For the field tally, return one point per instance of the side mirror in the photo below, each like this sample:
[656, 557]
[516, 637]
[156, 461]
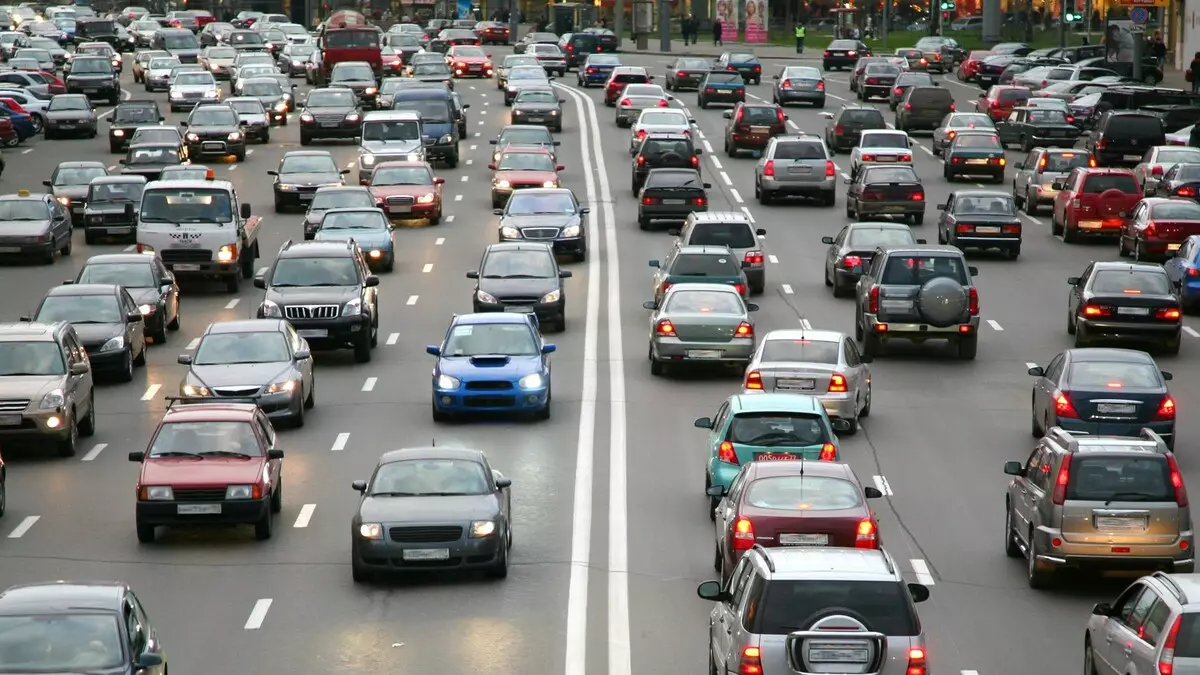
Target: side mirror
[715, 491]
[260, 282]
[344, 171]
[491, 167]
[691, 120]
[272, 172]
[650, 305]
[274, 454]
[827, 240]
[137, 456]
[872, 493]
[497, 212]
[562, 100]
[827, 115]
[185, 359]
[473, 274]
[183, 124]
[243, 123]
[774, 77]
[364, 181]
[1166, 375]
[439, 181]
[47, 183]
[703, 423]
[162, 119]
[359, 485]
[80, 368]
[1057, 185]
[1102, 609]
[654, 263]
[549, 348]
[1073, 281]
[973, 271]
[919, 592]
[302, 354]
[433, 350]
[711, 590]
[560, 167]
[133, 317]
[941, 207]
[699, 151]
[493, 142]
[1036, 371]
[847, 181]
[503, 483]
[762, 232]
[557, 143]
[707, 186]
[565, 274]
[1013, 468]
[27, 319]
[840, 425]
[751, 307]
[372, 281]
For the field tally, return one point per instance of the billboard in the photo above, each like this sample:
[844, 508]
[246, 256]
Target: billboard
[757, 14]
[727, 13]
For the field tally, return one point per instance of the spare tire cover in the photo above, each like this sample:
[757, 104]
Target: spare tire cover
[942, 302]
[1111, 202]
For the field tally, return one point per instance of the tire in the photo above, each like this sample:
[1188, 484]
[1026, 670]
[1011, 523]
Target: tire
[145, 532]
[1011, 549]
[362, 349]
[174, 324]
[87, 426]
[160, 335]
[277, 498]
[126, 374]
[968, 347]
[90, 237]
[1172, 346]
[1037, 578]
[67, 446]
[1031, 205]
[263, 527]
[279, 208]
[499, 570]
[871, 344]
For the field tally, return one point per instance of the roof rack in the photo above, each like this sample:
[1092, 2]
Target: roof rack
[1172, 586]
[1070, 439]
[172, 401]
[766, 556]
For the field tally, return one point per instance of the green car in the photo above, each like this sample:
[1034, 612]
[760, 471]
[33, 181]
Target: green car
[974, 153]
[1037, 127]
[699, 265]
[763, 427]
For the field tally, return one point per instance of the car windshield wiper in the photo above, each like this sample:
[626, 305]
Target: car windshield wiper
[396, 494]
[224, 453]
[519, 276]
[86, 321]
[448, 494]
[173, 453]
[319, 285]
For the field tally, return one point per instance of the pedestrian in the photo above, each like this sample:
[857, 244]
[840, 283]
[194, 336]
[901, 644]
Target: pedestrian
[1193, 73]
[799, 38]
[1159, 48]
[685, 27]
[716, 28]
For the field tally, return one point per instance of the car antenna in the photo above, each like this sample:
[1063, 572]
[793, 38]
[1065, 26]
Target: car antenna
[433, 443]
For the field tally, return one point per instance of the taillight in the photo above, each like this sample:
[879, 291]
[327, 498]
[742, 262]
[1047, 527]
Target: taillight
[641, 134]
[754, 257]
[916, 662]
[730, 68]
[753, 380]
[758, 69]
[851, 261]
[741, 289]
[826, 51]
[828, 453]
[695, 161]
[666, 328]
[1063, 407]
[1181, 497]
[868, 158]
[1070, 119]
[726, 454]
[873, 300]
[1168, 314]
[700, 201]
[649, 200]
[1096, 311]
[837, 384]
[641, 160]
[662, 103]
[1193, 272]
[905, 158]
[681, 74]
[864, 536]
[839, 130]
[899, 91]
[830, 168]
[786, 84]
[591, 71]
[769, 168]
[1157, 171]
[917, 196]
[908, 106]
[1166, 409]
[740, 115]
[1101, 144]
[951, 107]
[1060, 482]
[751, 661]
[821, 86]
[1166, 658]
[973, 301]
[626, 101]
[1185, 191]
[743, 536]
[664, 288]
[951, 134]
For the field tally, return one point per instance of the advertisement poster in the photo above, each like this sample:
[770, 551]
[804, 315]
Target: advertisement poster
[464, 9]
[757, 13]
[727, 11]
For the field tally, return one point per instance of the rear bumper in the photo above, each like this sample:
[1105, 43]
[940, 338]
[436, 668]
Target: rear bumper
[988, 241]
[883, 208]
[918, 332]
[680, 351]
[824, 185]
[1114, 556]
[668, 212]
[1134, 329]
[793, 96]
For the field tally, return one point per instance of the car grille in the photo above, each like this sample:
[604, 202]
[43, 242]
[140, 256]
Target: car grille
[400, 201]
[520, 300]
[185, 255]
[489, 385]
[540, 232]
[199, 494]
[235, 391]
[437, 533]
[109, 219]
[489, 401]
[311, 311]
[330, 118]
[13, 405]
[193, 94]
[526, 186]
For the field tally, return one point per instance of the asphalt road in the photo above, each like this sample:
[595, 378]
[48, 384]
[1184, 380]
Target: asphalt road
[611, 532]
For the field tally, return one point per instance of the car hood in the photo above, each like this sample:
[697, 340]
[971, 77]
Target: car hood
[489, 367]
[421, 510]
[512, 288]
[314, 295]
[183, 52]
[268, 101]
[353, 84]
[235, 374]
[209, 471]
[33, 387]
[402, 147]
[96, 334]
[73, 191]
[23, 228]
[432, 131]
[68, 115]
[555, 220]
[366, 239]
[523, 176]
[309, 179]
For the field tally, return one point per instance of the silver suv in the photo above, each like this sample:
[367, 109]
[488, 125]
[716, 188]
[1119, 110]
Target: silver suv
[732, 229]
[796, 166]
[1153, 627]
[1098, 502]
[816, 610]
[1035, 175]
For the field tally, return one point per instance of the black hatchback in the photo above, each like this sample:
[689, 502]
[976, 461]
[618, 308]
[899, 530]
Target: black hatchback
[671, 194]
[663, 151]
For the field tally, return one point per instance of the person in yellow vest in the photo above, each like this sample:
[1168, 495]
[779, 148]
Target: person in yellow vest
[799, 38]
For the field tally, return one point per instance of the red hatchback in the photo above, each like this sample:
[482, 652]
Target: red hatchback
[999, 101]
[1157, 227]
[786, 503]
[969, 68]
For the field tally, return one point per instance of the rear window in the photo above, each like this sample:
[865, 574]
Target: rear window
[890, 174]
[880, 237]
[1113, 375]
[742, 57]
[1065, 161]
[800, 150]
[803, 493]
[705, 302]
[664, 179]
[977, 141]
[640, 79]
[724, 77]
[654, 147]
[1188, 172]
[989, 204]
[931, 95]
[1187, 643]
[1120, 478]
[1013, 94]
[1176, 211]
[864, 117]
[884, 606]
[1135, 282]
[1136, 126]
[777, 429]
[760, 114]
[703, 264]
[801, 351]
[910, 270]
[733, 235]
[1097, 183]
[882, 69]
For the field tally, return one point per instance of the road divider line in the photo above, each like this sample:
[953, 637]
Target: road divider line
[250, 151]
[458, 198]
[1191, 331]
[427, 268]
[465, 179]
[369, 385]
[480, 122]
[773, 259]
[787, 289]
[192, 345]
[927, 150]
[26, 151]
[392, 338]
[94, 452]
[473, 147]
[922, 571]
[804, 323]
[1030, 364]
[305, 515]
[716, 161]
[469, 163]
[233, 168]
[151, 391]
[708, 147]
[835, 96]
[340, 442]
[845, 176]
[258, 614]
[995, 325]
[699, 133]
[23, 527]
[412, 300]
[737, 196]
[449, 219]
[970, 672]
[440, 240]
[232, 303]
[725, 177]
[881, 484]
[111, 168]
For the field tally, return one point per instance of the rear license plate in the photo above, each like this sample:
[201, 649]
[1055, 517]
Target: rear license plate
[1119, 523]
[897, 304]
[797, 384]
[399, 209]
[1132, 158]
[519, 309]
[774, 456]
[1116, 408]
[198, 509]
[10, 420]
[804, 539]
[760, 130]
[892, 209]
[10, 249]
[1134, 311]
[1173, 247]
[704, 354]
[987, 230]
[800, 169]
[835, 655]
[185, 268]
[674, 202]
[313, 333]
[427, 554]
[976, 162]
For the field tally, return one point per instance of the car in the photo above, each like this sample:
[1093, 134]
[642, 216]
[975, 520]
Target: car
[1130, 488]
[469, 61]
[1034, 176]
[860, 67]
[798, 84]
[732, 230]
[110, 627]
[330, 113]
[923, 108]
[45, 62]
[851, 251]
[112, 206]
[981, 219]
[146, 280]
[191, 89]
[521, 168]
[1124, 301]
[1157, 227]
[621, 77]
[274, 98]
[407, 190]
[533, 38]
[698, 264]
[796, 165]
[94, 77]
[505, 351]
[549, 57]
[552, 215]
[1029, 127]
[915, 58]
[451, 37]
[1181, 180]
[1121, 137]
[1157, 160]
[493, 32]
[263, 361]
[214, 131]
[636, 98]
[720, 86]
[793, 503]
[659, 121]
[1090, 202]
[252, 116]
[1151, 615]
[843, 130]
[416, 493]
[524, 77]
[107, 323]
[743, 63]
[158, 72]
[234, 474]
[521, 277]
[159, 134]
[149, 159]
[658, 150]
[335, 197]
[906, 81]
[389, 136]
[367, 227]
[47, 380]
[918, 293]
[880, 147]
[524, 136]
[956, 122]
[218, 60]
[842, 54]
[70, 115]
[538, 106]
[433, 73]
[596, 69]
[880, 190]
[974, 153]
[1000, 100]
[671, 194]
[300, 174]
[752, 126]
[877, 81]
[699, 324]
[126, 118]
[186, 172]
[512, 61]
[69, 185]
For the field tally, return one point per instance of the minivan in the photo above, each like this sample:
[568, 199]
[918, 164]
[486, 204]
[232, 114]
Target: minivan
[923, 108]
[178, 42]
[439, 128]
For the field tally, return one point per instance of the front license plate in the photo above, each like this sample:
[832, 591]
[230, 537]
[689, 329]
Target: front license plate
[1116, 408]
[674, 202]
[987, 230]
[313, 333]
[976, 162]
[1119, 523]
[837, 655]
[703, 354]
[519, 309]
[186, 268]
[1173, 247]
[306, 196]
[536, 119]
[806, 385]
[775, 456]
[10, 420]
[1132, 158]
[399, 209]
[329, 125]
[66, 126]
[1134, 311]
[9, 249]
[427, 554]
[804, 539]
[91, 91]
[198, 509]
[213, 147]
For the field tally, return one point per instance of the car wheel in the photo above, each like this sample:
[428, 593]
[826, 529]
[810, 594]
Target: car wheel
[126, 373]
[87, 426]
[1011, 549]
[68, 445]
[1089, 658]
[1036, 576]
[262, 527]
[277, 498]
[145, 532]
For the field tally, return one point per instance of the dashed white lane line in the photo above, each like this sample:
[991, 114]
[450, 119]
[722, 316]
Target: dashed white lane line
[449, 219]
[995, 325]
[258, 614]
[458, 198]
[773, 260]
[725, 177]
[471, 87]
[787, 289]
[26, 151]
[1191, 331]
[94, 452]
[700, 134]
[465, 178]
[927, 150]
[369, 385]
[306, 513]
[440, 240]
[233, 168]
[845, 176]
[111, 168]
[477, 134]
[412, 300]
[1031, 220]
[250, 151]
[480, 122]
[793, 126]
[883, 486]
[392, 339]
[151, 391]
[805, 324]
[708, 148]
[970, 672]
[261, 271]
[473, 147]
[485, 102]
[340, 442]
[232, 303]
[191, 346]
[131, 247]
[835, 96]
[427, 268]
[469, 163]
[922, 571]
[749, 216]
[1030, 364]
[23, 527]
[737, 196]
[716, 161]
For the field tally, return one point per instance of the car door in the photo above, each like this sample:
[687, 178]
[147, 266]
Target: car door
[1136, 221]
[1076, 293]
[717, 433]
[295, 345]
[1122, 628]
[152, 644]
[1045, 385]
[1064, 196]
[80, 385]
[855, 372]
[267, 432]
[1009, 128]
[1026, 172]
[944, 224]
[170, 290]
[1174, 267]
[60, 223]
[725, 616]
[1018, 496]
[831, 253]
[1149, 635]
[135, 331]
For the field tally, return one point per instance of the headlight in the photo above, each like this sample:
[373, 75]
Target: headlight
[306, 117]
[352, 117]
[211, 93]
[269, 310]
[447, 382]
[370, 91]
[52, 400]
[235, 136]
[286, 188]
[367, 160]
[484, 296]
[517, 113]
[531, 381]
[509, 232]
[446, 139]
[353, 308]
[119, 133]
[287, 386]
[146, 309]
[114, 344]
[296, 64]
[65, 201]
[370, 531]
[426, 198]
[287, 96]
[482, 528]
[227, 253]
[503, 184]
[158, 493]
[550, 184]
[375, 253]
[571, 231]
[553, 113]
[414, 157]
[552, 296]
[194, 138]
[239, 492]
[195, 390]
[281, 106]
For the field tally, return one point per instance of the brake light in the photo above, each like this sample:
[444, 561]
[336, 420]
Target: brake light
[753, 380]
[730, 68]
[950, 135]
[1063, 407]
[726, 454]
[709, 90]
[744, 330]
[649, 200]
[851, 261]
[839, 130]
[899, 91]
[758, 69]
[908, 106]
[1167, 314]
[951, 107]
[821, 86]
[666, 328]
[864, 535]
[1102, 143]
[740, 288]
[662, 103]
[837, 384]
[700, 201]
[1060, 483]
[1166, 659]
[873, 300]
[828, 453]
[996, 105]
[973, 301]
[850, 53]
[754, 257]
[680, 73]
[868, 158]
[641, 160]
[591, 71]
[826, 51]
[1157, 171]
[786, 84]
[1181, 497]
[1185, 191]
[751, 661]
[1092, 161]
[917, 196]
[1096, 310]
[872, 80]
[743, 535]
[740, 115]
[830, 168]
[916, 662]
[1193, 272]
[695, 162]
[1166, 409]
[641, 134]
[626, 101]
[664, 288]
[780, 116]
[769, 168]
[1070, 119]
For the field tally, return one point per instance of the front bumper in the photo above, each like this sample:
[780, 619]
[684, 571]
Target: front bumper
[80, 127]
[442, 151]
[107, 228]
[32, 250]
[284, 404]
[675, 350]
[513, 400]
[546, 119]
[212, 148]
[188, 103]
[343, 130]
[105, 92]
[411, 211]
[382, 555]
[545, 311]
[232, 512]
[107, 362]
[562, 246]
[473, 71]
[201, 268]
[337, 333]
[35, 425]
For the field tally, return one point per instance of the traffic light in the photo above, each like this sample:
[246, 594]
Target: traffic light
[948, 6]
[946, 17]
[1069, 17]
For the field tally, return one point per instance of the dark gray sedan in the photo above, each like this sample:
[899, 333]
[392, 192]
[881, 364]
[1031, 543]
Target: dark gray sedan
[547, 215]
[148, 160]
[431, 509]
[70, 115]
[687, 72]
[538, 106]
[69, 185]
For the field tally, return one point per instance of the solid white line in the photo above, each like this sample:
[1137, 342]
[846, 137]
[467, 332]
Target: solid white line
[369, 385]
[749, 216]
[151, 391]
[193, 344]
[1030, 364]
[412, 300]
[787, 288]
[440, 240]
[458, 198]
[306, 512]
[927, 150]
[716, 161]
[1191, 331]
[340, 442]
[392, 338]
[725, 177]
[737, 196]
[20, 530]
[449, 219]
[699, 133]
[258, 614]
[427, 268]
[773, 259]
[250, 151]
[466, 178]
[94, 452]
[922, 572]
[995, 325]
[883, 486]
[232, 303]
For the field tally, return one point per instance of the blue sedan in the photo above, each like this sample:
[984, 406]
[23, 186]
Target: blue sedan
[491, 363]
[1184, 272]
[22, 123]
[596, 69]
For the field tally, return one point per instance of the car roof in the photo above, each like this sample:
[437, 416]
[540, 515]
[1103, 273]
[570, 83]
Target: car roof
[245, 326]
[63, 596]
[1108, 355]
[29, 331]
[191, 185]
[115, 258]
[306, 153]
[518, 246]
[981, 193]
[210, 412]
[83, 289]
[820, 562]
[772, 402]
[921, 249]
[487, 318]
[877, 225]
[79, 165]
[1123, 266]
[793, 467]
[128, 178]
[805, 334]
[431, 452]
[708, 288]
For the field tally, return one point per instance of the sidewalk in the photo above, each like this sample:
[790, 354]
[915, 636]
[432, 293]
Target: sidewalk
[764, 50]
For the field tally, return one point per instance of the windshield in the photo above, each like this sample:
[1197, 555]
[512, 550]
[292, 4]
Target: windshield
[772, 429]
[78, 176]
[526, 73]
[803, 493]
[526, 203]
[117, 192]
[883, 606]
[421, 477]
[262, 89]
[57, 642]
[136, 114]
[704, 265]
[331, 99]
[187, 439]
[704, 302]
[525, 161]
[180, 41]
[877, 140]
[403, 41]
[501, 339]
[302, 51]
[535, 96]
[222, 53]
[518, 265]
[153, 156]
[977, 142]
[519, 60]
[314, 272]
[801, 351]
[470, 52]
[69, 103]
[129, 275]
[731, 234]
[155, 135]
[537, 136]
[657, 117]
[308, 164]
[431, 69]
[230, 348]
[970, 122]
[997, 205]
[246, 38]
[431, 111]
[251, 107]
[1131, 282]
[22, 209]
[40, 55]
[1101, 182]
[391, 131]
[342, 199]
[352, 38]
[215, 116]
[186, 206]
[352, 72]
[163, 64]
[82, 66]
[80, 309]
[354, 220]
[402, 175]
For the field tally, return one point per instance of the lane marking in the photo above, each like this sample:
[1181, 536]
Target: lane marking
[708, 147]
[306, 513]
[449, 219]
[193, 344]
[94, 452]
[804, 323]
[1191, 331]
[970, 672]
[233, 168]
[725, 177]
[469, 163]
[749, 216]
[716, 161]
[111, 168]
[995, 325]
[340, 442]
[392, 338]
[261, 271]
[465, 178]
[881, 483]
[787, 288]
[427, 268]
[477, 134]
[737, 196]
[26, 151]
[131, 247]
[845, 176]
[250, 151]
[699, 133]
[440, 240]
[458, 198]
[258, 614]
[474, 147]
[232, 303]
[369, 385]
[412, 300]
[927, 150]
[151, 391]
[480, 122]
[20, 530]
[922, 572]
[773, 259]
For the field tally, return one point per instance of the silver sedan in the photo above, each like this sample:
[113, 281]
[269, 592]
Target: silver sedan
[189, 90]
[700, 324]
[1158, 159]
[638, 97]
[820, 363]
[658, 121]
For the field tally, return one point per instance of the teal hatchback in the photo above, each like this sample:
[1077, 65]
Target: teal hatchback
[764, 427]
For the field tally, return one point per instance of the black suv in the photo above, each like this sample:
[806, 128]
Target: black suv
[327, 292]
[663, 151]
[917, 293]
[1122, 137]
[95, 77]
[126, 118]
[671, 194]
[845, 129]
[215, 130]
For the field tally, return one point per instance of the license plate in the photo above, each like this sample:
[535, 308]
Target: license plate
[536, 119]
[760, 130]
[838, 655]
[897, 304]
[329, 125]
[1173, 247]
[77, 209]
[797, 384]
[704, 354]
[1119, 523]
[66, 126]
[674, 202]
[518, 309]
[1116, 408]
[987, 230]
[10, 249]
[113, 230]
[213, 147]
[306, 196]
[313, 333]
[1134, 311]
[804, 539]
[427, 554]
[10, 420]
[774, 456]
[399, 209]
[976, 162]
[186, 268]
[91, 91]
[198, 509]
[1132, 158]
